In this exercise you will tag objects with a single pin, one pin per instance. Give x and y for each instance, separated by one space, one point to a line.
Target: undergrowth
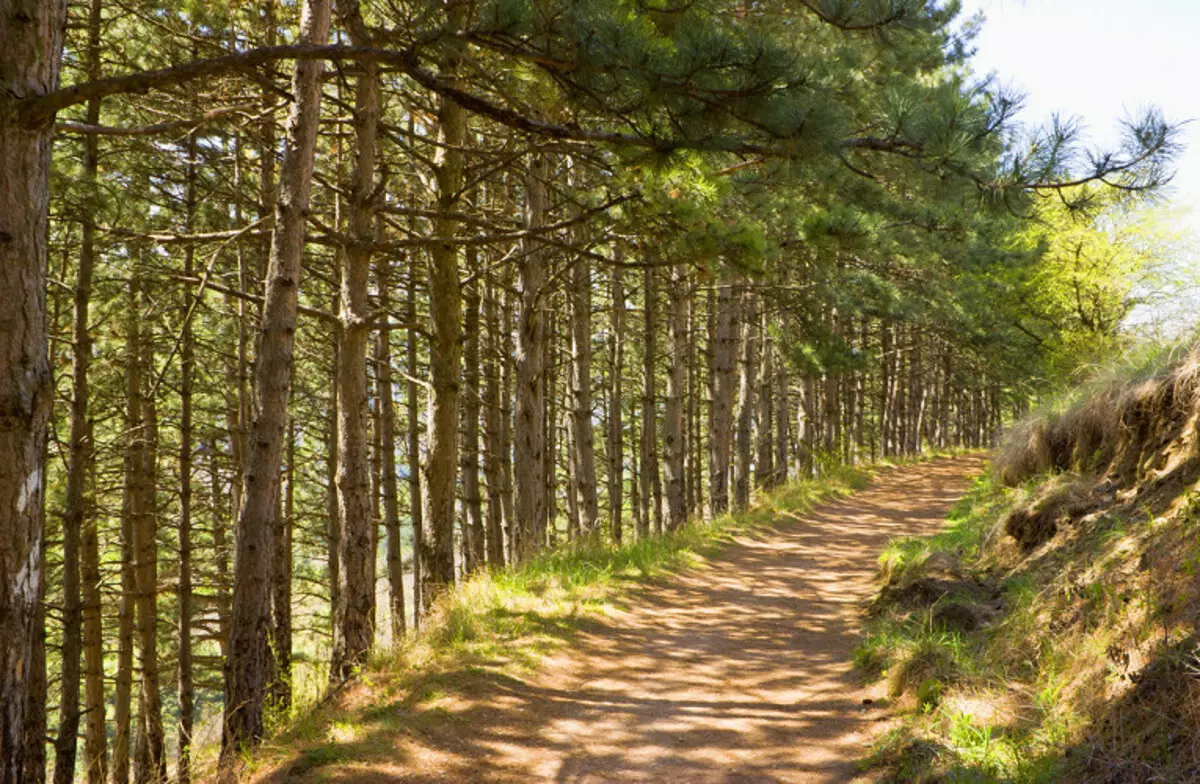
498 625
1071 661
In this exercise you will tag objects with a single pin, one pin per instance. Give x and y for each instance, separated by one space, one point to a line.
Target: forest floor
737 671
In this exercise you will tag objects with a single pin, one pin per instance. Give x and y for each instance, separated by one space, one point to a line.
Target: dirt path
739 672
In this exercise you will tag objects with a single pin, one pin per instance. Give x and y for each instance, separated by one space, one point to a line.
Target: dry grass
1125 422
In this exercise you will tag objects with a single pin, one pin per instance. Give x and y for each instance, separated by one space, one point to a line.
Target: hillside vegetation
1049 633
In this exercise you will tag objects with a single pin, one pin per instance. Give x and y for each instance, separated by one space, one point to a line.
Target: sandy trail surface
736 672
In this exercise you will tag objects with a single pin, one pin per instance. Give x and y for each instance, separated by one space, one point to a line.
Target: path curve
738 672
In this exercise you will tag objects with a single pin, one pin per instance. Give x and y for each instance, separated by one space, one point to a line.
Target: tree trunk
783 409
445 327
187 363
333 524
281 592
583 440
249 655
724 352
764 460
412 406
651 483
673 442
355 613
76 514
150 755
747 383
508 364
34 732
130 500
32 48
615 446
493 443
529 447
548 529
473 539
387 443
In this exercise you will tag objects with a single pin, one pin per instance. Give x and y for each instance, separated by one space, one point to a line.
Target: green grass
962 696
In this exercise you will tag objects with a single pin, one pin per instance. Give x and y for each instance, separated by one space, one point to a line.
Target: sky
1101 61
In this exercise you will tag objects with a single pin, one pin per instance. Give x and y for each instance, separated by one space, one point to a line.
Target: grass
497 626
1083 667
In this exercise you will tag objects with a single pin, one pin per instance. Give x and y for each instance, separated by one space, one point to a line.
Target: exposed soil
736 672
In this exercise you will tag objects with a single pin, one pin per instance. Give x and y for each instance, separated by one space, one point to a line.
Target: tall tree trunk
281 591
673 441
724 352
249 656
387 441
583 440
31 40
783 409
508 365
445 322
694 441
529 448
548 526
747 383
412 406
333 523
764 460
615 446
130 500
77 513
355 613
493 443
473 539
150 755
651 482
187 361
35 711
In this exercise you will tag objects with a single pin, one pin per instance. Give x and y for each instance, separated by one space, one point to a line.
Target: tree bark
35 712
281 591
150 754
78 523
747 383
529 448
249 656
724 352
473 536
412 407
355 613
32 49
651 483
493 441
130 501
583 440
673 442
764 460
615 446
187 362
387 441
445 322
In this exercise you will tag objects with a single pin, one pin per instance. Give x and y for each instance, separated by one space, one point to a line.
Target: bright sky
1100 61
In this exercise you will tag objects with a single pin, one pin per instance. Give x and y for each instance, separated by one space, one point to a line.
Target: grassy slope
1049 634
499 626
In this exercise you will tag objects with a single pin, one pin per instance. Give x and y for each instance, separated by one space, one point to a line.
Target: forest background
318 308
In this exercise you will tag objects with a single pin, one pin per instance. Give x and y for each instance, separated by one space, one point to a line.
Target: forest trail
736 672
